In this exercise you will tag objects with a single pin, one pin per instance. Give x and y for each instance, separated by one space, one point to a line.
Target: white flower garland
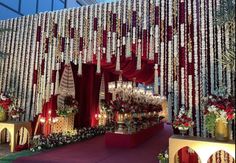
118 56
86 35
113 52
71 39
228 71
15 53
162 45
53 66
124 22
24 60
19 59
139 56
95 32
90 34
6 50
156 79
6 60
170 62
104 25
27 73
1 62
99 28
76 37
211 48
63 33
32 68
81 38
219 51
12 52
108 54
134 25
151 48
10 49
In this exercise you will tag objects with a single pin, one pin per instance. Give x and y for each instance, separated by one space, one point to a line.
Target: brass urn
221 130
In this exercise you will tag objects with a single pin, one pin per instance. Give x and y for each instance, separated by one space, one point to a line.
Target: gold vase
221 130
3 116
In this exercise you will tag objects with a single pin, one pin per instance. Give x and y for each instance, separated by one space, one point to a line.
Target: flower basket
183 122
183 130
221 130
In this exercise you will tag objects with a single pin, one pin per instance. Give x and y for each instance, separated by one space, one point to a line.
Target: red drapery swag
87 87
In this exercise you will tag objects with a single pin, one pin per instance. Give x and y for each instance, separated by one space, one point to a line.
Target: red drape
87 89
87 93
145 75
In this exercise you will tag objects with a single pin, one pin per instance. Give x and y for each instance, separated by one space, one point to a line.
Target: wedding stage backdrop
180 37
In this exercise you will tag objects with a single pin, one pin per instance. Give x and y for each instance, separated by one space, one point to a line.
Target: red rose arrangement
5 104
183 120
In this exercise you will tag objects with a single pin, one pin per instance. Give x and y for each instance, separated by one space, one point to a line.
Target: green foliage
1 109
225 18
210 122
163 157
226 12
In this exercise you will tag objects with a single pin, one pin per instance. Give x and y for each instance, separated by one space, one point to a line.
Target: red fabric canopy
129 72
87 86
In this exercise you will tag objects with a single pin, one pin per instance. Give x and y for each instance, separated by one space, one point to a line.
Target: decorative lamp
119 84
111 86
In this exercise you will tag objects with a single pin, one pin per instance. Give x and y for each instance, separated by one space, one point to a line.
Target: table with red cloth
130 140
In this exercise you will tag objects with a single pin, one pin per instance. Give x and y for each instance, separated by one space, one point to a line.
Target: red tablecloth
131 140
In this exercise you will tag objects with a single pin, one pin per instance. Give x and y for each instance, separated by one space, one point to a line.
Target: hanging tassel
139 55
118 56
128 50
108 56
99 61
151 50
57 79
156 79
80 64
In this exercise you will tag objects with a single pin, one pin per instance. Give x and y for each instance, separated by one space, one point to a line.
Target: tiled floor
4 149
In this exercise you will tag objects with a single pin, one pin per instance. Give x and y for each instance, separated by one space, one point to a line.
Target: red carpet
95 151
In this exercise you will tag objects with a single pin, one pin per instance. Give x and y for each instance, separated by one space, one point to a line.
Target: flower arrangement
64 111
16 112
41 142
5 103
70 106
8 105
163 157
130 105
218 108
183 121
